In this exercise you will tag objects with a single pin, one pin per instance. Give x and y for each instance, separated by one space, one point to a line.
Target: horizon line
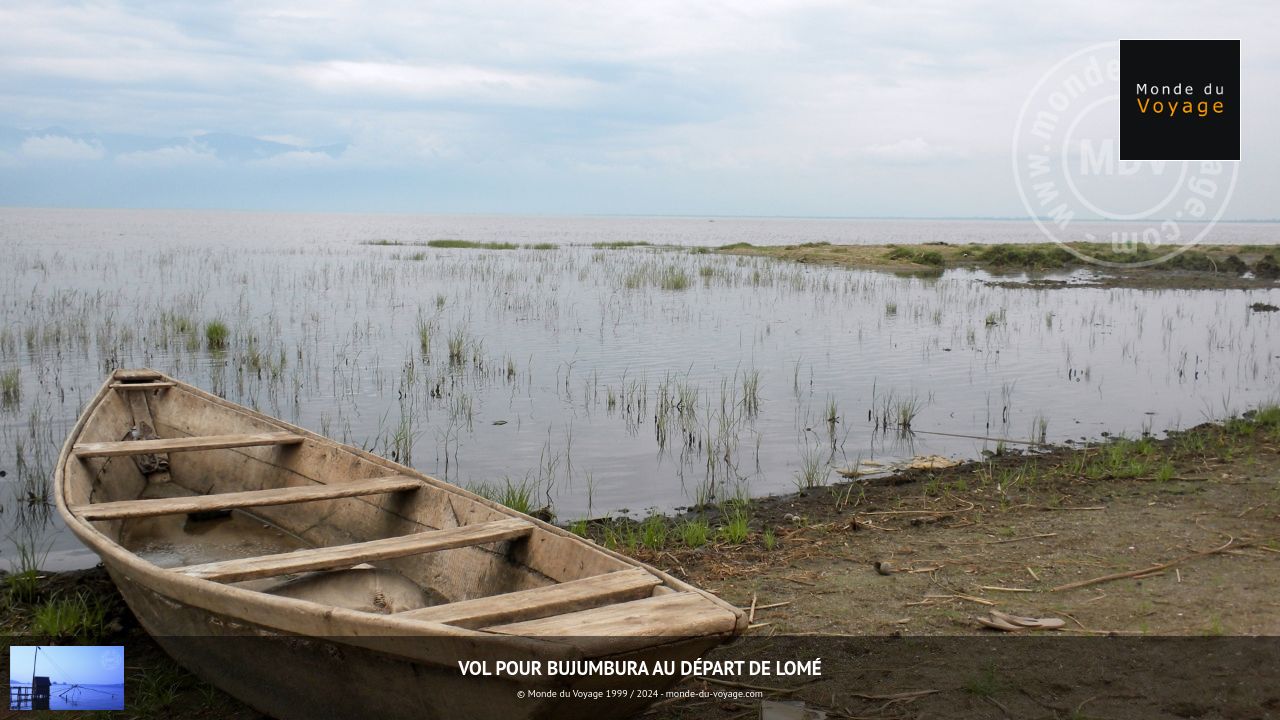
684 216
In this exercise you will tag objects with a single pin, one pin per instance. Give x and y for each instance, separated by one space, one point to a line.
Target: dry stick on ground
958 596
1147 570
1249 510
746 686
909 695
1008 540
770 606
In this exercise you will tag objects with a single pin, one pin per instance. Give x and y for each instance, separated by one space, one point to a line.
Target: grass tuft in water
471 244
216 334
813 470
620 244
517 496
10 388
674 278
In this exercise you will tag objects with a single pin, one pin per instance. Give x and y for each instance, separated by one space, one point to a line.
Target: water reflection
594 379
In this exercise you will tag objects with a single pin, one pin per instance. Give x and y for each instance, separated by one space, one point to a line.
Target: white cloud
60 147
169 157
910 151
284 139
425 82
308 159
790 91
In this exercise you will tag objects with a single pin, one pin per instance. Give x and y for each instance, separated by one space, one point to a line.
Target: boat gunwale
305 617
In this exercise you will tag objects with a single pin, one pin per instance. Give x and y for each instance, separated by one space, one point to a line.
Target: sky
75 664
752 107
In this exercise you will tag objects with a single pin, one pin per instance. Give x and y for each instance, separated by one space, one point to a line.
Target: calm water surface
602 380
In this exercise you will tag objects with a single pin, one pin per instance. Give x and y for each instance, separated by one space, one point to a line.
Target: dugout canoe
312 579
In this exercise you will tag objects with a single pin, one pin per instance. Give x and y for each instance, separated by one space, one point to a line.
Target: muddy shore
1138 538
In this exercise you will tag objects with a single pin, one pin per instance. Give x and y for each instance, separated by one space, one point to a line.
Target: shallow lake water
601 380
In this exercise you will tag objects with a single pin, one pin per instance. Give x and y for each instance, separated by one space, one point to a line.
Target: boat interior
202 487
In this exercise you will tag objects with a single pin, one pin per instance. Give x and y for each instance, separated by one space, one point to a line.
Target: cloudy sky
752 107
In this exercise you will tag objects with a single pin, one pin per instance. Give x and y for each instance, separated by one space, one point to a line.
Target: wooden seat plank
142 385
136 375
184 444
565 597
340 556
250 498
681 614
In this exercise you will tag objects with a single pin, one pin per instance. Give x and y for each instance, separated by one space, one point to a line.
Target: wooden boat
311 579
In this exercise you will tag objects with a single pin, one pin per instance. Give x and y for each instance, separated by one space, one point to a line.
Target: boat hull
293 677
291 657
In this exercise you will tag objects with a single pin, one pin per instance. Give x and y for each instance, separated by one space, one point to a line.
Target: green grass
653 532
457 347
751 391
932 258
471 244
1266 418
216 334
1123 459
543 246
813 471
517 496
694 532
387 243
176 323
80 617
425 330
158 689
622 535
1267 267
736 528
736 246
674 278
22 584
770 540
10 387
1031 257
620 244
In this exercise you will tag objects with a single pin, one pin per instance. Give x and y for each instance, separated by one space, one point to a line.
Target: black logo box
1157 80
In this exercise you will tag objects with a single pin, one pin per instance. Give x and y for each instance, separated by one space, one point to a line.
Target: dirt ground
952 552
1173 547
1195 553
